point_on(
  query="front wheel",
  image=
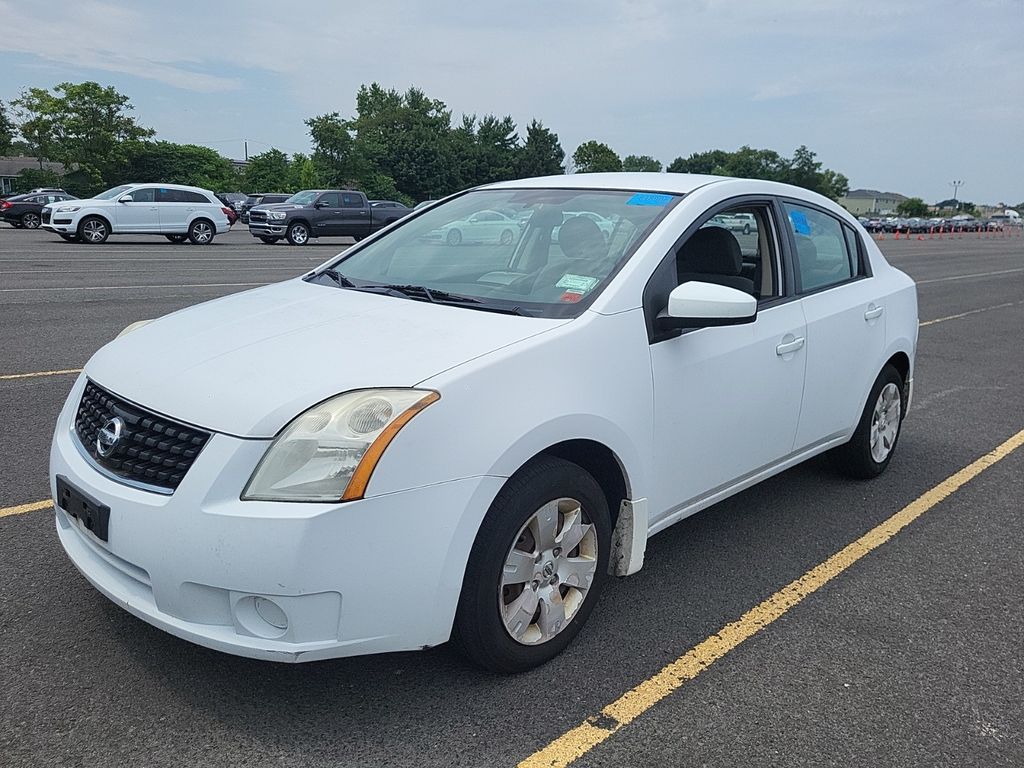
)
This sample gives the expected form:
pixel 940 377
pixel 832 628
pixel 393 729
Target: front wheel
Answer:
pixel 31 220
pixel 506 236
pixel 93 230
pixel 454 237
pixel 176 238
pixel 538 563
pixel 874 442
pixel 201 232
pixel 69 238
pixel 298 233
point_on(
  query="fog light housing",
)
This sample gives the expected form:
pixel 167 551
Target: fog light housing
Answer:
pixel 261 617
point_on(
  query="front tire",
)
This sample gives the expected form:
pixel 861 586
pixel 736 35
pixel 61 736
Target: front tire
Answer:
pixel 93 230
pixel 269 240
pixel 536 568
pixel 201 232
pixel 176 238
pixel 31 220
pixel 454 237
pixel 298 233
pixel 69 238
pixel 874 442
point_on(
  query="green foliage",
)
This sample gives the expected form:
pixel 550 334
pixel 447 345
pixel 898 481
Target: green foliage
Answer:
pixel 170 163
pixel 308 176
pixel 912 206
pixel 30 178
pixel 801 170
pixel 79 125
pixel 84 181
pixel 268 171
pixel 595 157
pixel 641 163
pixel 6 130
pixel 541 154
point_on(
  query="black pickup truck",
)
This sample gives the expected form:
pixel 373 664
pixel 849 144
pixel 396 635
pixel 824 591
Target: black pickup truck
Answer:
pixel 321 213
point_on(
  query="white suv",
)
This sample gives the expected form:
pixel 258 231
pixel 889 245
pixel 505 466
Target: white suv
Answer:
pixel 172 210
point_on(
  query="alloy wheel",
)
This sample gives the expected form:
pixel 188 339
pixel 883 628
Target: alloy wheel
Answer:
pixel 885 422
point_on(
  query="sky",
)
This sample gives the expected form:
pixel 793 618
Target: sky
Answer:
pixel 900 95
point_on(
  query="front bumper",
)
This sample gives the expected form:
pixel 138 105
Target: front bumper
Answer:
pixel 267 229
pixel 380 574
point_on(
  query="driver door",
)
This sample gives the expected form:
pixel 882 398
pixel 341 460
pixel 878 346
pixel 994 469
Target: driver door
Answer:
pixel 727 399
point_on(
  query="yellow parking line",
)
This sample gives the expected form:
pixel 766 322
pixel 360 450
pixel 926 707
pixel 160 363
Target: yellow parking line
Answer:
pixel 37 374
pixel 21 509
pixel 970 312
pixel 588 734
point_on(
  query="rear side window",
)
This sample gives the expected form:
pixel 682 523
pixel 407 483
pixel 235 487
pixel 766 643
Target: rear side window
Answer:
pixel 823 254
pixel 169 196
pixel 352 201
pixel 194 197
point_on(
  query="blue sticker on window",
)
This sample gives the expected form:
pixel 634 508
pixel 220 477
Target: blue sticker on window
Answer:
pixel 800 224
pixel 649 198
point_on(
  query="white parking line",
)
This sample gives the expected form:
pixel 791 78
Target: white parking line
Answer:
pixel 63 270
pixel 966 277
pixel 118 287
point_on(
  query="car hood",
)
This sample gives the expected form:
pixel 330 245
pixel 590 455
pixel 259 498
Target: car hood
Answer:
pixel 247 364
pixel 277 207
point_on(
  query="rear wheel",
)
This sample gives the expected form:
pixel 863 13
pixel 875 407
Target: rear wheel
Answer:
pixel 874 442
pixel 30 220
pixel 454 237
pixel 506 236
pixel 93 230
pixel 176 238
pixel 269 240
pixel 536 567
pixel 298 233
pixel 201 232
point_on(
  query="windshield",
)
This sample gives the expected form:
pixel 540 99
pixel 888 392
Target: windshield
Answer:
pixel 542 252
pixel 110 194
pixel 303 198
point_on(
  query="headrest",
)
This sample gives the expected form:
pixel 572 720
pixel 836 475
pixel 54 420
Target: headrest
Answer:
pixel 580 237
pixel 711 251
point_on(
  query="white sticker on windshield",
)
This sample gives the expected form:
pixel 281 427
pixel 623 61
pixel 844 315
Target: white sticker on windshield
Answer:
pixel 577 283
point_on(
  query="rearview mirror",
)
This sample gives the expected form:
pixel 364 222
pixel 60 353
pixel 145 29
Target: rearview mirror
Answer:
pixel 699 305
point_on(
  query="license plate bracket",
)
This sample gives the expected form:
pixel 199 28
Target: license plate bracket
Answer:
pixel 94 515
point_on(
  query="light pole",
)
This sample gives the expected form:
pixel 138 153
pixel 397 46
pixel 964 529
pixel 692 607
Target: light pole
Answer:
pixel 956 185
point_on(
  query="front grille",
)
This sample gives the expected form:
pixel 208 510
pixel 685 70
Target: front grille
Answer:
pixel 152 449
pixel 257 215
pixel 46 215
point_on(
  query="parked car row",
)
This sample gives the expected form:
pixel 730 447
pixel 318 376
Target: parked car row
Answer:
pixel 25 211
pixel 915 225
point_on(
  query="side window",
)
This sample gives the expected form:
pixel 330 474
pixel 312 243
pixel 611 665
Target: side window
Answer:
pixel 822 255
pixel 145 195
pixel 735 248
pixel 352 201
pixel 330 199
pixel 193 197
pixel 853 246
pixel 169 196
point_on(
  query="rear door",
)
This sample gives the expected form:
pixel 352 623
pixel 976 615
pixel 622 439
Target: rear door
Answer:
pixel 356 214
pixel 845 321
pixel 174 213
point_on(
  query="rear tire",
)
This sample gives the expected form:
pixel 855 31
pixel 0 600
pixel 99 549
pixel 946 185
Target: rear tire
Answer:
pixel 298 233
pixel 454 237
pixel 176 238
pixel 93 230
pixel 269 240
pixel 519 583
pixel 201 232
pixel 874 442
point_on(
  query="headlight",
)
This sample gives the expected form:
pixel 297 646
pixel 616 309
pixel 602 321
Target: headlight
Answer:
pixel 276 215
pixel 133 327
pixel 69 208
pixel 329 452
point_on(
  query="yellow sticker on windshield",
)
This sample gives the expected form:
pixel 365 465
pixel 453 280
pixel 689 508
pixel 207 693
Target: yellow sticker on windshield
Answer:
pixel 577 283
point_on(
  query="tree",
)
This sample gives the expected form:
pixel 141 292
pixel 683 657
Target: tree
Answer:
pixel 170 163
pixel 595 157
pixel 6 130
pixel 713 161
pixel 308 176
pixel 268 171
pixel 30 178
pixel 641 163
pixel 79 124
pixel 912 206
pixel 541 154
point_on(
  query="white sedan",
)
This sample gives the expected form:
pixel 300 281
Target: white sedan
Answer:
pixel 414 443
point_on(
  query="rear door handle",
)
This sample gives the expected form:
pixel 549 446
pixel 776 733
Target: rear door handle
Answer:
pixel 874 313
pixel 789 346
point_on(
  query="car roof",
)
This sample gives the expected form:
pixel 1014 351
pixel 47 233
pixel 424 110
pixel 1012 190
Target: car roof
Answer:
pixel 167 186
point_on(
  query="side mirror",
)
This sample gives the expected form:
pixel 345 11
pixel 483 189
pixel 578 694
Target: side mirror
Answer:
pixel 322 204
pixel 699 305
pixel 126 199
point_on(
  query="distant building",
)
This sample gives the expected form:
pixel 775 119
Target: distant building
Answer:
pixel 861 201
pixel 10 167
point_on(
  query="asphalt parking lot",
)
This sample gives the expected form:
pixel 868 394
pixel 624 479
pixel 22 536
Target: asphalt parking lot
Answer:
pixel 910 657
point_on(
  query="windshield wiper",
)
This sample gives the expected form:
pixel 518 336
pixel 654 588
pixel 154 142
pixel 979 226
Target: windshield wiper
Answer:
pixel 437 296
pixel 337 277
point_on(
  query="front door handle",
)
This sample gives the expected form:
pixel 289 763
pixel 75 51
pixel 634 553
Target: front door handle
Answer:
pixel 874 313
pixel 789 346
